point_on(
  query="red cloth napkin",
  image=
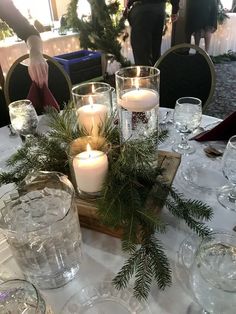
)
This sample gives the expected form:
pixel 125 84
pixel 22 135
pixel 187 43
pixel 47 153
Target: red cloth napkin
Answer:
pixel 41 97
pixel 222 132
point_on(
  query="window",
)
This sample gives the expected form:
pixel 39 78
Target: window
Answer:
pixel 227 4
pixel 37 10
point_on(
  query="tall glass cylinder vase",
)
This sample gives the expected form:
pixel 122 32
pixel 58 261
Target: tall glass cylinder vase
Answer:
pixel 137 90
pixel 93 101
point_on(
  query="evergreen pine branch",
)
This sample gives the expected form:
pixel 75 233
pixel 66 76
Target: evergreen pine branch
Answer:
pixel 143 274
pixel 132 191
pixel 123 277
pixel 63 125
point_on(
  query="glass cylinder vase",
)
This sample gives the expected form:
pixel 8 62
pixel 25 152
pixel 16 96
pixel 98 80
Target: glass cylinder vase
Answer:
pixel 137 89
pixel 93 101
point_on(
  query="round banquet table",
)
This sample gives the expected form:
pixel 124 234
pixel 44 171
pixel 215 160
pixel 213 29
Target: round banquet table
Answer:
pixel 102 255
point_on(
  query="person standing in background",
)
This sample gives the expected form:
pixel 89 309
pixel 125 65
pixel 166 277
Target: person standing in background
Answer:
pixel 147 18
pixel 201 20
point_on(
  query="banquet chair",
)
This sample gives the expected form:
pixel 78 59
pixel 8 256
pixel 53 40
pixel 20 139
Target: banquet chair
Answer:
pixel 184 73
pixel 18 81
pixel 4 117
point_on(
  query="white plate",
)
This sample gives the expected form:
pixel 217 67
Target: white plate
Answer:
pixel 104 298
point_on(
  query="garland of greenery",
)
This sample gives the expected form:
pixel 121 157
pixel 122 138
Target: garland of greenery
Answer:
pixel 132 191
pixel 226 57
pixel 222 15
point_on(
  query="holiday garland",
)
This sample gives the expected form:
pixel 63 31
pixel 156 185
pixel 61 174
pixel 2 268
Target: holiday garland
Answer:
pixel 133 189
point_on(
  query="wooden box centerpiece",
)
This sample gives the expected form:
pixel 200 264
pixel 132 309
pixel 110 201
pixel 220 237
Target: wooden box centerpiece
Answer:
pixel 87 210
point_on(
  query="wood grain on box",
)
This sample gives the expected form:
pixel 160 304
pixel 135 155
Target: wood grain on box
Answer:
pixel 87 210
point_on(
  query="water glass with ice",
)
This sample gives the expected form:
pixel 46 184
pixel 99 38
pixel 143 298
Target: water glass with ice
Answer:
pixel 211 271
pixel 227 194
pixel 21 297
pixel 23 117
pixel 187 117
pixel 41 223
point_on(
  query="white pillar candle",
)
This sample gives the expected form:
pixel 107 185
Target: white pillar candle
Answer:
pixel 139 100
pixel 90 169
pixel 91 117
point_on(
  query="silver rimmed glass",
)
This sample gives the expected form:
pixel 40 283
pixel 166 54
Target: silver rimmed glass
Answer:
pixel 187 117
pixel 24 118
pixel 227 194
pixel 209 268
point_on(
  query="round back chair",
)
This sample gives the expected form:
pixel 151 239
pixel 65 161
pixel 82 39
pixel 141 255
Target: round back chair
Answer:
pixel 184 73
pixel 18 81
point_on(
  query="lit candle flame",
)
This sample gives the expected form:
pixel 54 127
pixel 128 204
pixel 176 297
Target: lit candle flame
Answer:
pixel 90 100
pixel 135 81
pixel 138 71
pixel 88 148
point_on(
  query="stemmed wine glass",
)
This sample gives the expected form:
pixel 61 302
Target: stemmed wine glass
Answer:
pixel 208 272
pixel 187 117
pixel 227 194
pixel 23 117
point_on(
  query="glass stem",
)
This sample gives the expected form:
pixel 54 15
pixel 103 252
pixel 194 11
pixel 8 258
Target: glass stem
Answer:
pixel 184 142
pixel 232 194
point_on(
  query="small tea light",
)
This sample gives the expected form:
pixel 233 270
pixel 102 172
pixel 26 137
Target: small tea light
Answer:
pixel 91 117
pixel 90 168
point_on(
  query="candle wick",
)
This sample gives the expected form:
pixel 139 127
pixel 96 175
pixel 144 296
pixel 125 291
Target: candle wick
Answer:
pixel 89 155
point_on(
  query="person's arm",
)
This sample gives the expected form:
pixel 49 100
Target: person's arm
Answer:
pixel 175 10
pixel 38 67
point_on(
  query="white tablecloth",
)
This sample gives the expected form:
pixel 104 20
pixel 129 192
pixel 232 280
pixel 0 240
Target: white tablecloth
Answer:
pixel 53 44
pixel 102 254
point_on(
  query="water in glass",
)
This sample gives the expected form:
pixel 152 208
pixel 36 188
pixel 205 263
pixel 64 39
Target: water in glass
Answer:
pixel 213 276
pixel 187 117
pixel 21 297
pixel 44 235
pixel 227 194
pixel 23 117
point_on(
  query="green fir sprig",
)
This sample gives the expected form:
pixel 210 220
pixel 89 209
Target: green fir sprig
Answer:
pixel 132 194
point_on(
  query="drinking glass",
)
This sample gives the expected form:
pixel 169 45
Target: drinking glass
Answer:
pixel 187 117
pixel 210 269
pixel 227 194
pixel 23 117
pixel 21 297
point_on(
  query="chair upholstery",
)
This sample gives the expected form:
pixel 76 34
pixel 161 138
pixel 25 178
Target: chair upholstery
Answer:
pixel 18 81
pixel 183 73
